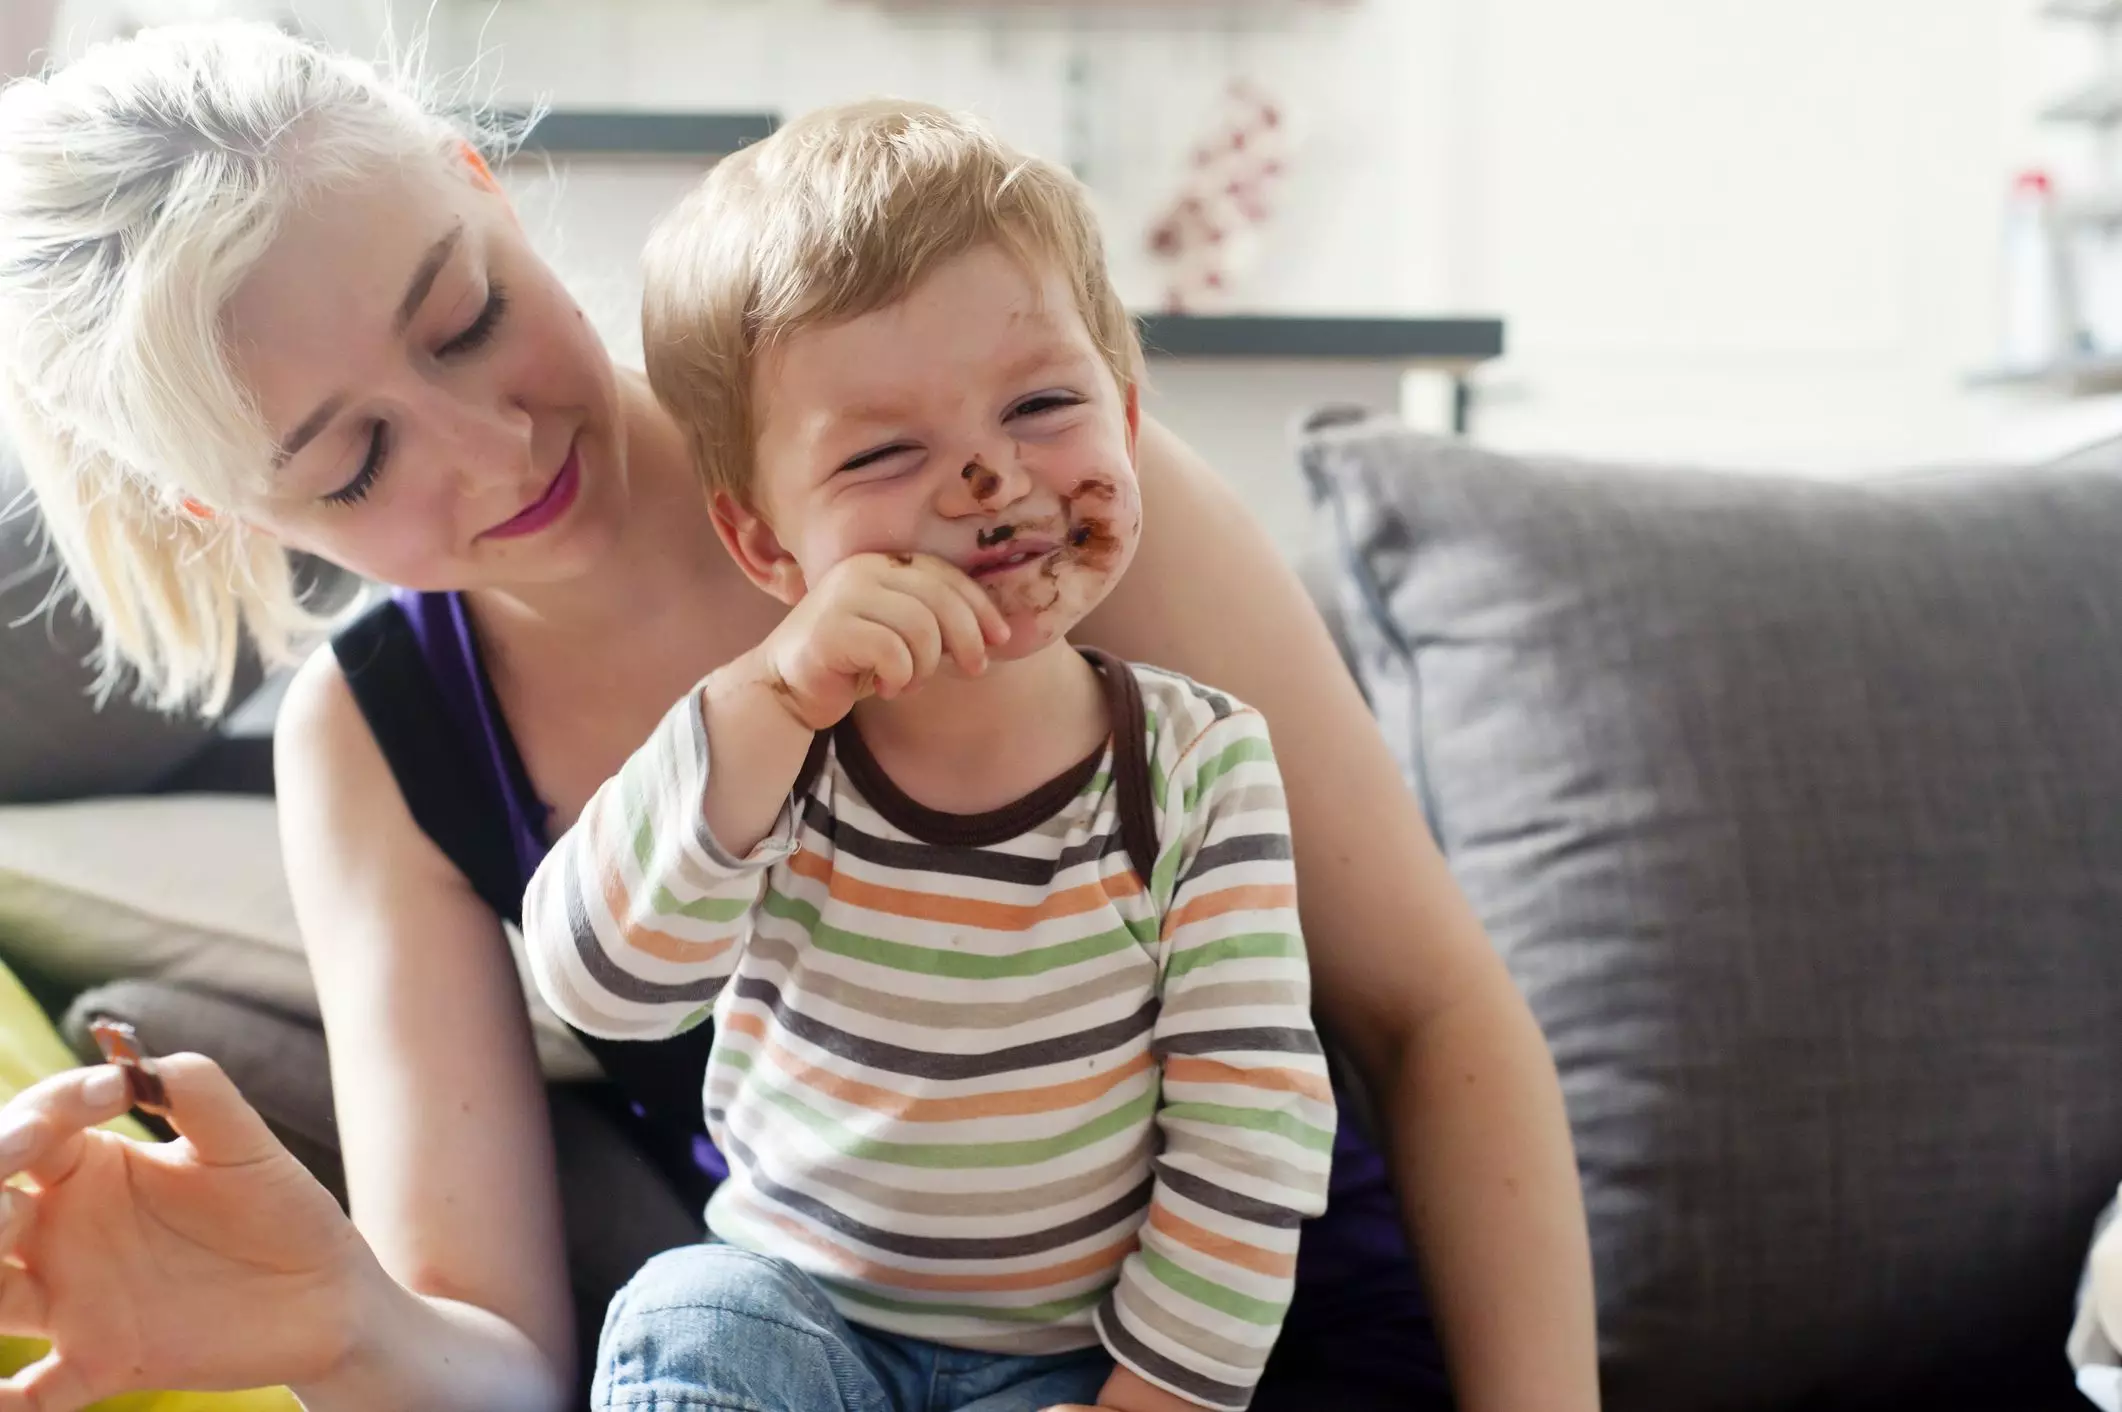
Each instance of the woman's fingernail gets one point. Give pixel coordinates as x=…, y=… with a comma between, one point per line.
x=106, y=1085
x=16, y=1139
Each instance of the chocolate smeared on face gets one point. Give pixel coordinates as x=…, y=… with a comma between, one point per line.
x=1000, y=534
x=902, y=560
x=986, y=484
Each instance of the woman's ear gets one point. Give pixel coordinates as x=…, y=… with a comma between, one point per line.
x=751, y=541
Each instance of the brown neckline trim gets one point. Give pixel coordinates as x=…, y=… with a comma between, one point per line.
x=1123, y=704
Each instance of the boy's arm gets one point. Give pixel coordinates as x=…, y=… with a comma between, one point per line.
x=632, y=922
x=1247, y=1112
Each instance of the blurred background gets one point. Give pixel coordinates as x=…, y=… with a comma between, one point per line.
x=1829, y=235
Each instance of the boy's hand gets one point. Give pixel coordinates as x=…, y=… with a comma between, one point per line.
x=1125, y=1392
x=877, y=624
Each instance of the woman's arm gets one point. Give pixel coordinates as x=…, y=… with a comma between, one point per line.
x=442, y=1122
x=1400, y=966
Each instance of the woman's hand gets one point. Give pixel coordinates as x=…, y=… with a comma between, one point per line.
x=212, y=1262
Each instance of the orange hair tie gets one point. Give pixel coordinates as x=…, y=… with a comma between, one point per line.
x=481, y=172
x=196, y=510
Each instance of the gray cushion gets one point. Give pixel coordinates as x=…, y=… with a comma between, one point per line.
x=1796, y=809
x=54, y=742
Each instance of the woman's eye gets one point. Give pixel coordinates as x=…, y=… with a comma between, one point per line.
x=1044, y=402
x=356, y=490
x=480, y=331
x=870, y=458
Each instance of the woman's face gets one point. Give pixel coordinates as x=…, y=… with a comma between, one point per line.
x=446, y=417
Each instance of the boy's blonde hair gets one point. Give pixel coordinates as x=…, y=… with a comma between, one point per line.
x=138, y=186
x=839, y=213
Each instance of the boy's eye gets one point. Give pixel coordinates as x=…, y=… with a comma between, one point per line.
x=1044, y=402
x=870, y=458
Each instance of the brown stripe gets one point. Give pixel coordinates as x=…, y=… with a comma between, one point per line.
x=961, y=911
x=854, y=1266
x=908, y=1108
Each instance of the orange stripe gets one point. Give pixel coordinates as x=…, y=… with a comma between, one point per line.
x=1250, y=897
x=1243, y=1254
x=873, y=1272
x=1010, y=1103
x=1188, y=1069
x=962, y=911
x=637, y=934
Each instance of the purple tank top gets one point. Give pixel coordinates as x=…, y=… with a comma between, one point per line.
x=1358, y=1317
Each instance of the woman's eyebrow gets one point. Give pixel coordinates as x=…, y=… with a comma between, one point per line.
x=424, y=277
x=416, y=292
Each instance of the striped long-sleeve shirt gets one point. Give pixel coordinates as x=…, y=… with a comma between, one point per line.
x=972, y=1074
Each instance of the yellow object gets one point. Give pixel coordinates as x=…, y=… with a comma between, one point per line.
x=30, y=1049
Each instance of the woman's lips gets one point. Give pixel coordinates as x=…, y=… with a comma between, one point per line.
x=559, y=496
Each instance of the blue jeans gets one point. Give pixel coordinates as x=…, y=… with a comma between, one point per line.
x=710, y=1328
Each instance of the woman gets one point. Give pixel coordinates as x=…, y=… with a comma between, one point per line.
x=257, y=299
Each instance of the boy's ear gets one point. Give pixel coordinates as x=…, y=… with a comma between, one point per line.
x=752, y=543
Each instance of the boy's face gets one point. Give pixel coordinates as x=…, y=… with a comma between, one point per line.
x=975, y=420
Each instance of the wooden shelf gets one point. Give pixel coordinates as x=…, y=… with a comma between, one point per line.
x=2098, y=12
x=1455, y=342
x=620, y=132
x=2097, y=105
x=2073, y=377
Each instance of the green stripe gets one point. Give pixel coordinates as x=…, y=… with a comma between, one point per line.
x=1222, y=1298
x=1098, y=783
x=943, y=961
x=716, y=911
x=1164, y=881
x=1259, y=1120
x=1157, y=780
x=1050, y=1312
x=960, y=1156
x=1237, y=753
x=1247, y=946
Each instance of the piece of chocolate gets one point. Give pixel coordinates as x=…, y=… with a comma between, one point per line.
x=120, y=1044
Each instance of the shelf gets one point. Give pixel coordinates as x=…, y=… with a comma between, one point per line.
x=2073, y=377
x=2098, y=12
x=619, y=132
x=1458, y=342
x=2097, y=105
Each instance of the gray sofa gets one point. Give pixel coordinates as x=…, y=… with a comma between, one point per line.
x=1796, y=810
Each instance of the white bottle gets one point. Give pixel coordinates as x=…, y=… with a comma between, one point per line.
x=2040, y=324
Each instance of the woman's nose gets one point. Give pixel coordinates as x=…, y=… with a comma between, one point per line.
x=491, y=445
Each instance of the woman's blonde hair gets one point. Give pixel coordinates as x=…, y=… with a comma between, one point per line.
x=139, y=185
x=841, y=212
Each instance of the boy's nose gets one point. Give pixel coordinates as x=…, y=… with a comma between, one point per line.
x=984, y=487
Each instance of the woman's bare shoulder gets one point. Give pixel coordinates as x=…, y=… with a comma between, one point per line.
x=337, y=795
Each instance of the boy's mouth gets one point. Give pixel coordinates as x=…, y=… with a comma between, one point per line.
x=1014, y=553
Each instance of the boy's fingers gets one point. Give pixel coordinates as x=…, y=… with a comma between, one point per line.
x=882, y=654
x=993, y=624
x=906, y=615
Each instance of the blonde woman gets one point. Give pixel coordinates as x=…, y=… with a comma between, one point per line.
x=254, y=298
